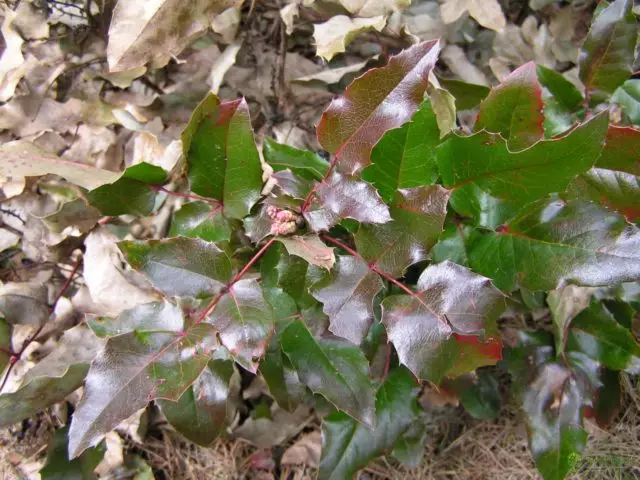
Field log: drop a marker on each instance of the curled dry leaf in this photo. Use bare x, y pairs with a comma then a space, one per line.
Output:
305, 451
487, 13
333, 36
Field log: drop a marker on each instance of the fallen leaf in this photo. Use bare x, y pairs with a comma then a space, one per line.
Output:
222, 65
333, 36
305, 451
226, 24
267, 432
12, 57
24, 303
487, 13
288, 14
456, 59
332, 75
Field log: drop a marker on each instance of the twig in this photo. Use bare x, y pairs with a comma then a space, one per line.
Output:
15, 357
190, 196
207, 311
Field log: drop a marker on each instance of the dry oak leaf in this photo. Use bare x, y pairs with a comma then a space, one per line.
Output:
486, 12
333, 36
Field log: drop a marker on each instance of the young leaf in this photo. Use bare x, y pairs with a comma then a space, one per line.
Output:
180, 266
135, 368
405, 157
204, 408
59, 467
596, 333
305, 163
382, 99
606, 58
223, 161
619, 191
141, 33
553, 408
347, 296
349, 446
551, 243
450, 297
200, 220
521, 177
244, 321
311, 249
53, 378
342, 197
621, 150
418, 215
333, 368
514, 109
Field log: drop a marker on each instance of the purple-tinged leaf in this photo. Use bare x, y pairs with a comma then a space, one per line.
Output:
621, 150
449, 298
244, 321
341, 197
135, 368
333, 368
514, 109
180, 266
222, 157
608, 52
551, 243
204, 409
347, 295
484, 160
418, 215
381, 99
348, 446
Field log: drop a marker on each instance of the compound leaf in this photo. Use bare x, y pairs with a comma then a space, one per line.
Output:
381, 99
333, 368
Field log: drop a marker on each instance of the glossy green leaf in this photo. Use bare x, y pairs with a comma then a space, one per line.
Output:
222, 158
565, 92
302, 162
621, 150
348, 446
205, 408
484, 160
608, 398
58, 466
514, 109
283, 381
608, 52
133, 193
244, 321
467, 95
552, 242
565, 303
628, 97
451, 244
288, 272
52, 379
449, 298
333, 368
341, 197
529, 350
618, 191
405, 157
553, 410
418, 215
200, 220
180, 266
410, 448
135, 368
347, 297
597, 334
479, 394
381, 99
485, 210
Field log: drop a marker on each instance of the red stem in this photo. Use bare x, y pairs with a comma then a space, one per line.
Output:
190, 196
16, 357
207, 311
307, 200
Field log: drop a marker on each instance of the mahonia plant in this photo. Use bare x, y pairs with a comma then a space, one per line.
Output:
347, 284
